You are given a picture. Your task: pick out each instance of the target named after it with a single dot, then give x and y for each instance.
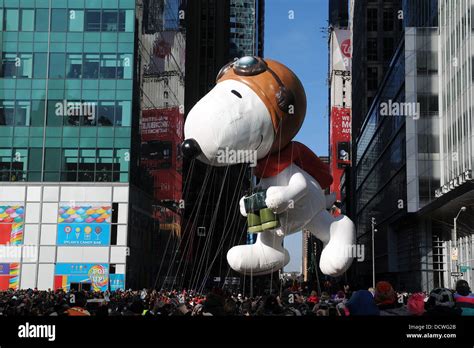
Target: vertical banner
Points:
(342, 48)
(340, 138)
(9, 276)
(117, 282)
(11, 224)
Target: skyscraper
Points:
(77, 84)
(400, 159)
(215, 35)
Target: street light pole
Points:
(373, 252)
(455, 235)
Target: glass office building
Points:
(66, 96)
(66, 90)
(404, 158)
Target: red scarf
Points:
(300, 155)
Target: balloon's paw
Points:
(257, 259)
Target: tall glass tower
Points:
(66, 93)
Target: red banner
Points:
(162, 124)
(340, 140)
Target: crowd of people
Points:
(382, 300)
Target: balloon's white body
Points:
(223, 120)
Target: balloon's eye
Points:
(236, 93)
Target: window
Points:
(27, 20)
(15, 113)
(372, 78)
(40, 64)
(9, 65)
(11, 20)
(106, 114)
(71, 160)
(124, 69)
(52, 159)
(86, 165)
(37, 113)
(57, 65)
(109, 21)
(387, 48)
(74, 66)
(59, 20)
(92, 20)
(23, 113)
(427, 62)
(7, 113)
(1, 19)
(388, 24)
(123, 114)
(372, 19)
(104, 166)
(108, 66)
(91, 66)
(372, 49)
(126, 20)
(42, 20)
(53, 119)
(76, 20)
(25, 68)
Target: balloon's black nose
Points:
(190, 148)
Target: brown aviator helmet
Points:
(278, 87)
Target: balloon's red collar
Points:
(300, 155)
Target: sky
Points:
(300, 44)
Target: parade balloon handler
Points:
(256, 109)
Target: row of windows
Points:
(100, 165)
(63, 20)
(71, 66)
(70, 113)
(372, 49)
(389, 18)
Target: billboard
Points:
(162, 124)
(341, 50)
(340, 140)
(9, 276)
(11, 224)
(95, 274)
(84, 225)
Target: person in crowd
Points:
(416, 304)
(77, 301)
(362, 303)
(464, 298)
(387, 301)
(441, 303)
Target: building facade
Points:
(401, 157)
(65, 130)
(91, 108)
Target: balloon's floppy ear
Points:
(280, 90)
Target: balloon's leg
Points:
(266, 256)
(338, 237)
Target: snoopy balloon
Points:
(256, 108)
